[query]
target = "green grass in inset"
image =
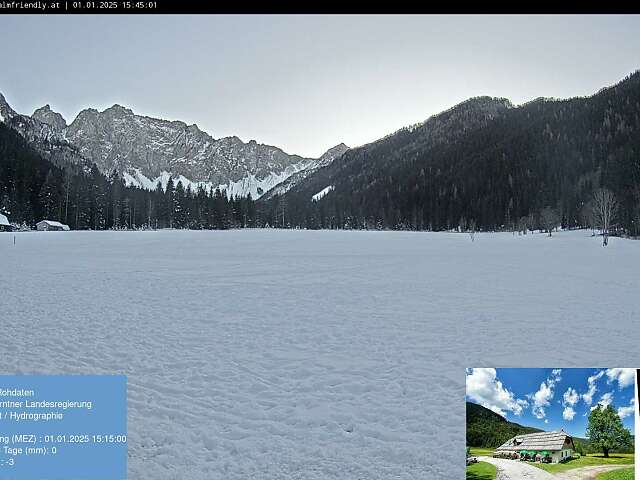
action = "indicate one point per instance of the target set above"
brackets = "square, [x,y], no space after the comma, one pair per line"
[622,474]
[481,471]
[587,461]
[477,451]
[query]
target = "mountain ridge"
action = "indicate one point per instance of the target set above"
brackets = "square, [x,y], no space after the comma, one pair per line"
[487,161]
[144,149]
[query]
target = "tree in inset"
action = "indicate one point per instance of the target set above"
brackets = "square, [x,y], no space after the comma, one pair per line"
[605,430]
[605,208]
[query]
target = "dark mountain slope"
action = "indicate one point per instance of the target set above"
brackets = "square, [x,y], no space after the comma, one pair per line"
[486,428]
[487,161]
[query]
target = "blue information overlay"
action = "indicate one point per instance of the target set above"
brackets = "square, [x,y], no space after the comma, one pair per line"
[63,427]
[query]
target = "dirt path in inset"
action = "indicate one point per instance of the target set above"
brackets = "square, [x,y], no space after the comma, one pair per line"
[514,470]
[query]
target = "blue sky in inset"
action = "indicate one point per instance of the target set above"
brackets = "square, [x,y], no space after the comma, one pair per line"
[551,399]
[306,83]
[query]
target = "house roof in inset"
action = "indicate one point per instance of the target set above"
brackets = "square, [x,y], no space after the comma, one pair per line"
[4,220]
[536,441]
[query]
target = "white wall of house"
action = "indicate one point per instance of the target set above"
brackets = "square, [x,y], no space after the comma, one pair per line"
[559,455]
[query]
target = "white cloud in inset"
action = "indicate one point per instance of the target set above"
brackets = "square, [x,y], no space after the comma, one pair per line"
[484,387]
[624,376]
[542,398]
[587,397]
[570,397]
[568,413]
[626,411]
[605,400]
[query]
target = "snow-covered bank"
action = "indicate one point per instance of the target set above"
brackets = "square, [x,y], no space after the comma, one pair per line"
[309,355]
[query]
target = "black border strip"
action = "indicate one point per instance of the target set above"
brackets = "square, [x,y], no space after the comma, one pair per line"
[314,7]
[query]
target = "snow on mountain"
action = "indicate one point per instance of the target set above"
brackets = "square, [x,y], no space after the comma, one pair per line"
[326,159]
[249,184]
[322,193]
[258,186]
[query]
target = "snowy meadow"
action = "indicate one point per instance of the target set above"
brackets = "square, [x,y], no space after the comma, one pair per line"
[309,354]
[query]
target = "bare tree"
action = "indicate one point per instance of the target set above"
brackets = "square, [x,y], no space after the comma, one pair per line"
[586,215]
[462,224]
[550,219]
[523,225]
[472,229]
[605,208]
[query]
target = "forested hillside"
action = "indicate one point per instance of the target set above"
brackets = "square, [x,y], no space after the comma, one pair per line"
[486,428]
[33,188]
[487,163]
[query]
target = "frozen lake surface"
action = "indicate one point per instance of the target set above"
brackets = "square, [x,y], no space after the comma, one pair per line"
[309,355]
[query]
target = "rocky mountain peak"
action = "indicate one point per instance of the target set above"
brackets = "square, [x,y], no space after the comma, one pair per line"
[44,131]
[46,115]
[6,112]
[335,151]
[84,115]
[330,155]
[117,109]
[117,138]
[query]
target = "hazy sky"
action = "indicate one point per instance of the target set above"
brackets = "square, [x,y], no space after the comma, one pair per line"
[306,83]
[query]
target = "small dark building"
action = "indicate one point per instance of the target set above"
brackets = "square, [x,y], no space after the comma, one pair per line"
[51,226]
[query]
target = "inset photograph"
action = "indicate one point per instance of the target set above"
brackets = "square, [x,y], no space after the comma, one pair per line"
[550,423]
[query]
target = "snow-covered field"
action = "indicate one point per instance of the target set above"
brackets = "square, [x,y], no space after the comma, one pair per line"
[309,355]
